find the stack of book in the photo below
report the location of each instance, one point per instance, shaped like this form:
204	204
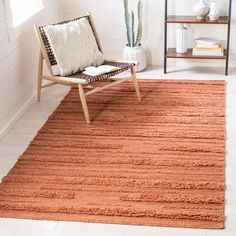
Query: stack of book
208	47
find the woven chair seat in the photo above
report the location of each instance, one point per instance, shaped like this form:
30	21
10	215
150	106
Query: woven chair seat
123	67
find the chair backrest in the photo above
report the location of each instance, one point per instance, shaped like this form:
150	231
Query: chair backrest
45	47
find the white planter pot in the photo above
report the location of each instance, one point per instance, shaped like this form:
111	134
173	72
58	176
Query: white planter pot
136	54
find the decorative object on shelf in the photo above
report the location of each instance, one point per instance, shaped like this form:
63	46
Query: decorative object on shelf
181	39
201	9
134	50
207	41
214	11
208	47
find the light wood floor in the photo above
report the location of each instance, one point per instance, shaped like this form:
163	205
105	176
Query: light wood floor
19	136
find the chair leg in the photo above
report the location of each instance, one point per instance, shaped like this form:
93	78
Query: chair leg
84	103
135	82
39	87
40	73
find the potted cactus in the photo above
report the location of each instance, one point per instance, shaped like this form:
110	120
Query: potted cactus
134	50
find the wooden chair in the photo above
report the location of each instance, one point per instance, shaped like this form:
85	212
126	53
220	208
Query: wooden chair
80	80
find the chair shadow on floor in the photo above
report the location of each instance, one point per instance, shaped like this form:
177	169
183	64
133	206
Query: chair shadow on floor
99	111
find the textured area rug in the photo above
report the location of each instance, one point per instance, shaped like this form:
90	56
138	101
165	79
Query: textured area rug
159	162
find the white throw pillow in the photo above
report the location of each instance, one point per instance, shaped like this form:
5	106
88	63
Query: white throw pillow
74	47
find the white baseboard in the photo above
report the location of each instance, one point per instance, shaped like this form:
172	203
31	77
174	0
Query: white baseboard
14	119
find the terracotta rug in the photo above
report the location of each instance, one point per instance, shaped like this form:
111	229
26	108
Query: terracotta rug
159	162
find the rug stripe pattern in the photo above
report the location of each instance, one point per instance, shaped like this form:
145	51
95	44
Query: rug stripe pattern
159	162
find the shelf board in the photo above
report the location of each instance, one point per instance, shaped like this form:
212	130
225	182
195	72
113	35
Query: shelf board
193	20
171	53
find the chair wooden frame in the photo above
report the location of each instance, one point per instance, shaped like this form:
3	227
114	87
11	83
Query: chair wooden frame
83	85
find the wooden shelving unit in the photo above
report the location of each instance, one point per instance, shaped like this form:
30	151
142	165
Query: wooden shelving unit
171	53
175	19
193	20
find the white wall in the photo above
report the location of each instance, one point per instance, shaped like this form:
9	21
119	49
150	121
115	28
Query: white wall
108	16
18	65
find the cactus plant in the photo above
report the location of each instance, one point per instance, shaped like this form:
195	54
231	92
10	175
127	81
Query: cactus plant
127	21
132	29
140	26
130	25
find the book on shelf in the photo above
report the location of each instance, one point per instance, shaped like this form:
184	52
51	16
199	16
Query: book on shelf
207	41
95	71
208	52
208	47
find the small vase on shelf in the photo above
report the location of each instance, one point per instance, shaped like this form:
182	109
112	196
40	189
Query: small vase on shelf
214	11
201	9
181	39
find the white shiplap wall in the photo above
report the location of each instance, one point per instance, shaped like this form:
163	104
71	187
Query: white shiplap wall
108	15
18	65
